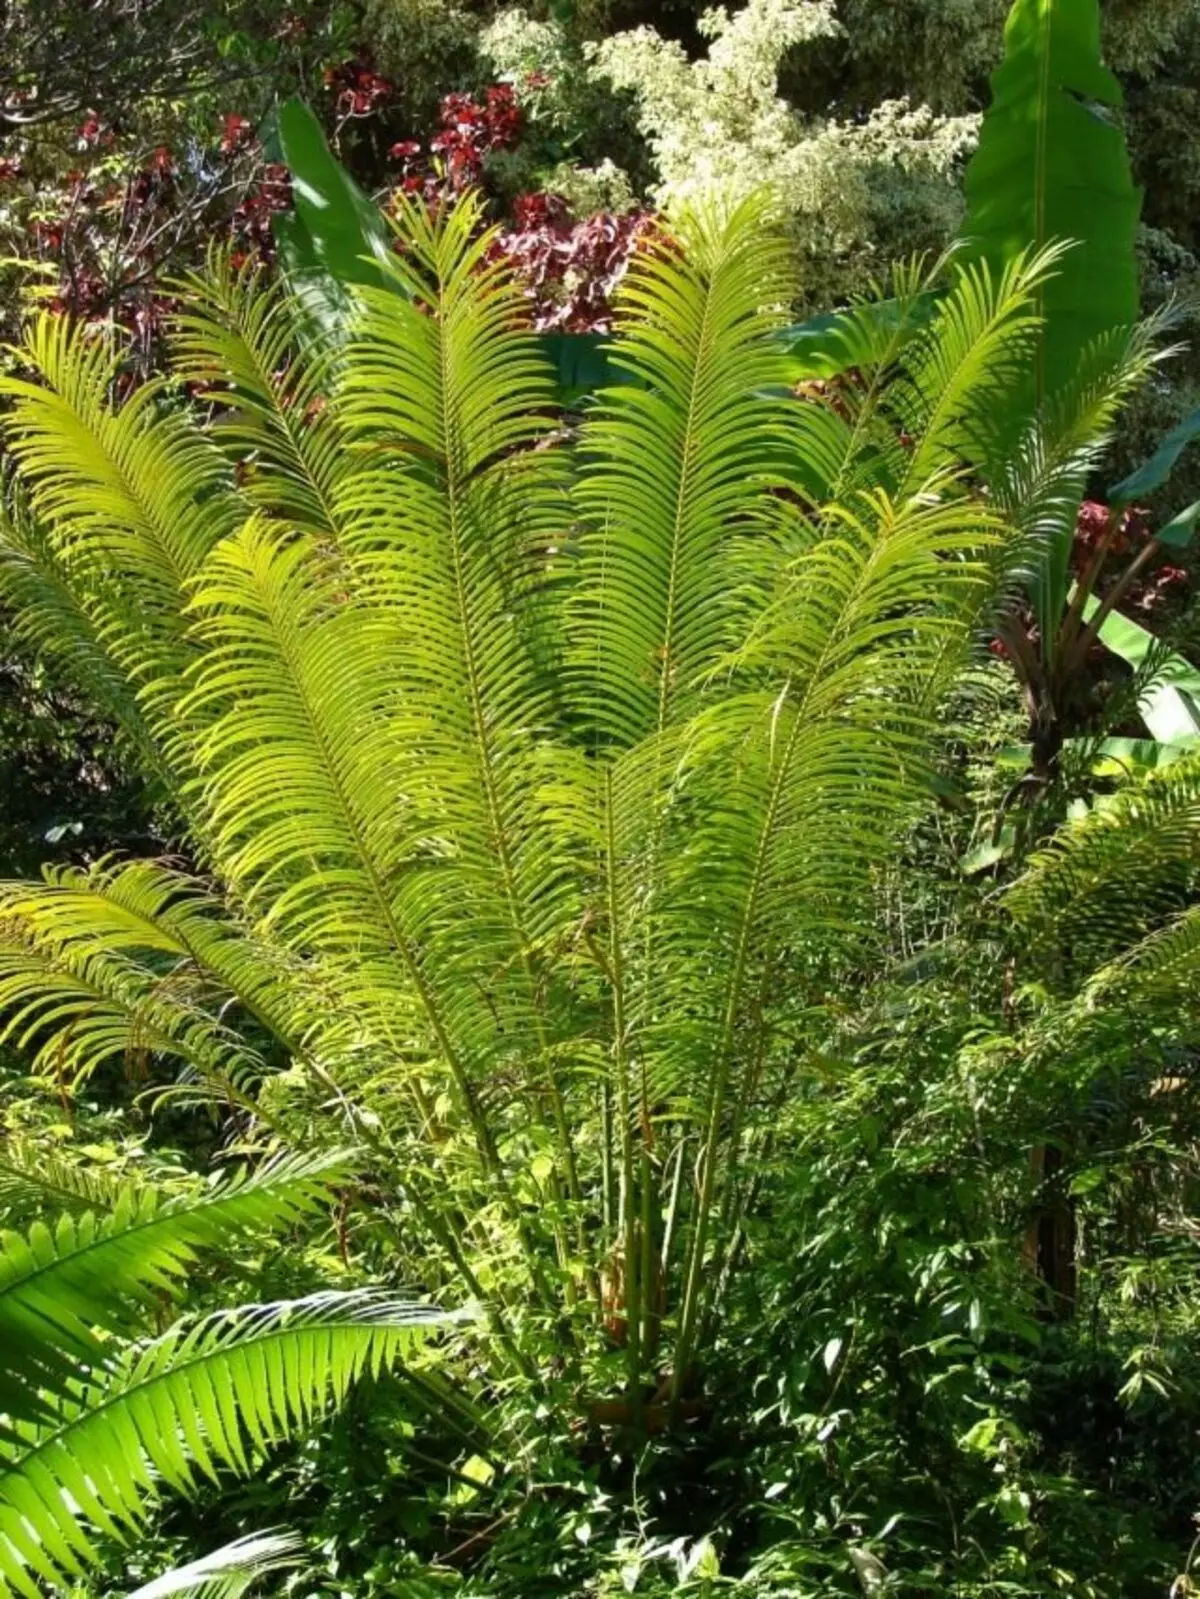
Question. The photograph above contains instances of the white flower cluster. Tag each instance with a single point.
(537, 59)
(719, 125)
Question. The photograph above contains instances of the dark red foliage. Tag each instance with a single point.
(471, 131)
(570, 269)
(357, 88)
(237, 133)
(1159, 581)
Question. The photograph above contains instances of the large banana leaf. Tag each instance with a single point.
(334, 236)
(1052, 164)
(1152, 475)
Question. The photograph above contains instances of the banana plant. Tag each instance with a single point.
(1052, 163)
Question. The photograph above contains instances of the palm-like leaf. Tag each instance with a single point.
(60, 1283)
(208, 1394)
(227, 1573)
(1118, 875)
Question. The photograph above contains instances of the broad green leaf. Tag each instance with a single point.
(834, 341)
(1153, 474)
(335, 236)
(1052, 165)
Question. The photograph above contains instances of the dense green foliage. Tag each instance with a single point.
(678, 846)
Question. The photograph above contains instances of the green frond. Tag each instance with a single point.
(1158, 974)
(60, 1283)
(676, 469)
(1106, 881)
(1040, 480)
(300, 764)
(133, 495)
(208, 1394)
(32, 1179)
(789, 790)
(450, 526)
(50, 615)
(77, 1008)
(246, 348)
(915, 383)
(167, 924)
(967, 363)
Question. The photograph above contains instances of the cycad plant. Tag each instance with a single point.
(536, 775)
(96, 1419)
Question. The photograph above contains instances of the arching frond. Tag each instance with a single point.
(205, 1395)
(803, 784)
(228, 1572)
(1108, 880)
(450, 526)
(76, 1008)
(51, 616)
(244, 345)
(968, 362)
(166, 924)
(677, 468)
(59, 1284)
(32, 1180)
(133, 495)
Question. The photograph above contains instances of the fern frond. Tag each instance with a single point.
(1106, 881)
(963, 367)
(450, 526)
(168, 925)
(50, 615)
(807, 784)
(242, 344)
(134, 495)
(676, 468)
(78, 1008)
(227, 1573)
(210, 1394)
(59, 1284)
(33, 1179)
